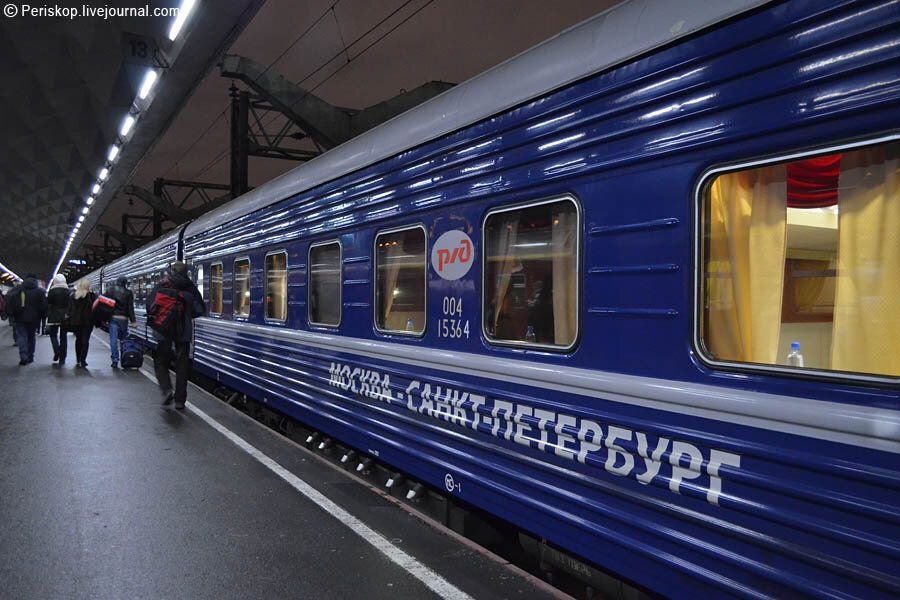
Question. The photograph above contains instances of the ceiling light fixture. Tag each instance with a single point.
(113, 153)
(89, 201)
(127, 124)
(148, 83)
(96, 189)
(103, 174)
(183, 12)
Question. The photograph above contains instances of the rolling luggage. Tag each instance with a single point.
(132, 354)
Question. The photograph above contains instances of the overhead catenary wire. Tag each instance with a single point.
(346, 50)
(284, 52)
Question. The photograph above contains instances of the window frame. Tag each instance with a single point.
(221, 288)
(266, 318)
(234, 314)
(403, 332)
(309, 250)
(579, 277)
(700, 189)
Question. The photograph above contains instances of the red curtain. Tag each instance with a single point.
(813, 183)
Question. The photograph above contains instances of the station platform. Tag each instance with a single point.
(104, 493)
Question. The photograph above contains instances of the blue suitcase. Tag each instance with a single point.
(132, 354)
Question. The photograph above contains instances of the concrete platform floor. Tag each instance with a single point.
(106, 494)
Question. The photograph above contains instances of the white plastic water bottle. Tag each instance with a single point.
(410, 326)
(529, 334)
(794, 358)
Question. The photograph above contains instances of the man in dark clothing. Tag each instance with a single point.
(193, 306)
(123, 313)
(29, 306)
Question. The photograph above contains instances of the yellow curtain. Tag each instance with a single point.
(745, 268)
(866, 315)
(565, 287)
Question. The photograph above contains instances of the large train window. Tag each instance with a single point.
(240, 303)
(531, 275)
(324, 289)
(276, 286)
(215, 289)
(400, 261)
(800, 263)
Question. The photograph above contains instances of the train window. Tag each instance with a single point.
(400, 261)
(215, 289)
(531, 275)
(198, 280)
(801, 265)
(324, 289)
(240, 305)
(276, 286)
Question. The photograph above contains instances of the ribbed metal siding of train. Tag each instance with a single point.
(624, 450)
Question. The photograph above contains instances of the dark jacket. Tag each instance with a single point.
(35, 306)
(81, 311)
(124, 299)
(194, 306)
(57, 305)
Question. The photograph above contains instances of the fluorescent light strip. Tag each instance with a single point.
(113, 153)
(148, 83)
(96, 189)
(183, 12)
(103, 174)
(127, 124)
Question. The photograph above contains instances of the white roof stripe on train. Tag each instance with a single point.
(610, 38)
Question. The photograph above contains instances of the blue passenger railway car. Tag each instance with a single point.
(633, 291)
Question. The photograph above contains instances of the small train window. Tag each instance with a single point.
(801, 263)
(215, 289)
(241, 288)
(400, 261)
(198, 280)
(276, 286)
(531, 275)
(324, 290)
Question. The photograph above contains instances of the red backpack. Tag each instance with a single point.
(166, 312)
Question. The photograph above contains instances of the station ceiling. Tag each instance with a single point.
(68, 83)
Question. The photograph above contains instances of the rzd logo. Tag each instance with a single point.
(452, 255)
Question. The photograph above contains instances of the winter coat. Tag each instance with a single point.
(124, 300)
(193, 304)
(34, 307)
(57, 305)
(81, 311)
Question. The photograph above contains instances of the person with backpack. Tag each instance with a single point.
(81, 319)
(123, 313)
(57, 314)
(28, 305)
(172, 306)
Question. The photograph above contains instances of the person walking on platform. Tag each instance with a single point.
(81, 319)
(29, 306)
(9, 311)
(175, 294)
(57, 313)
(123, 313)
